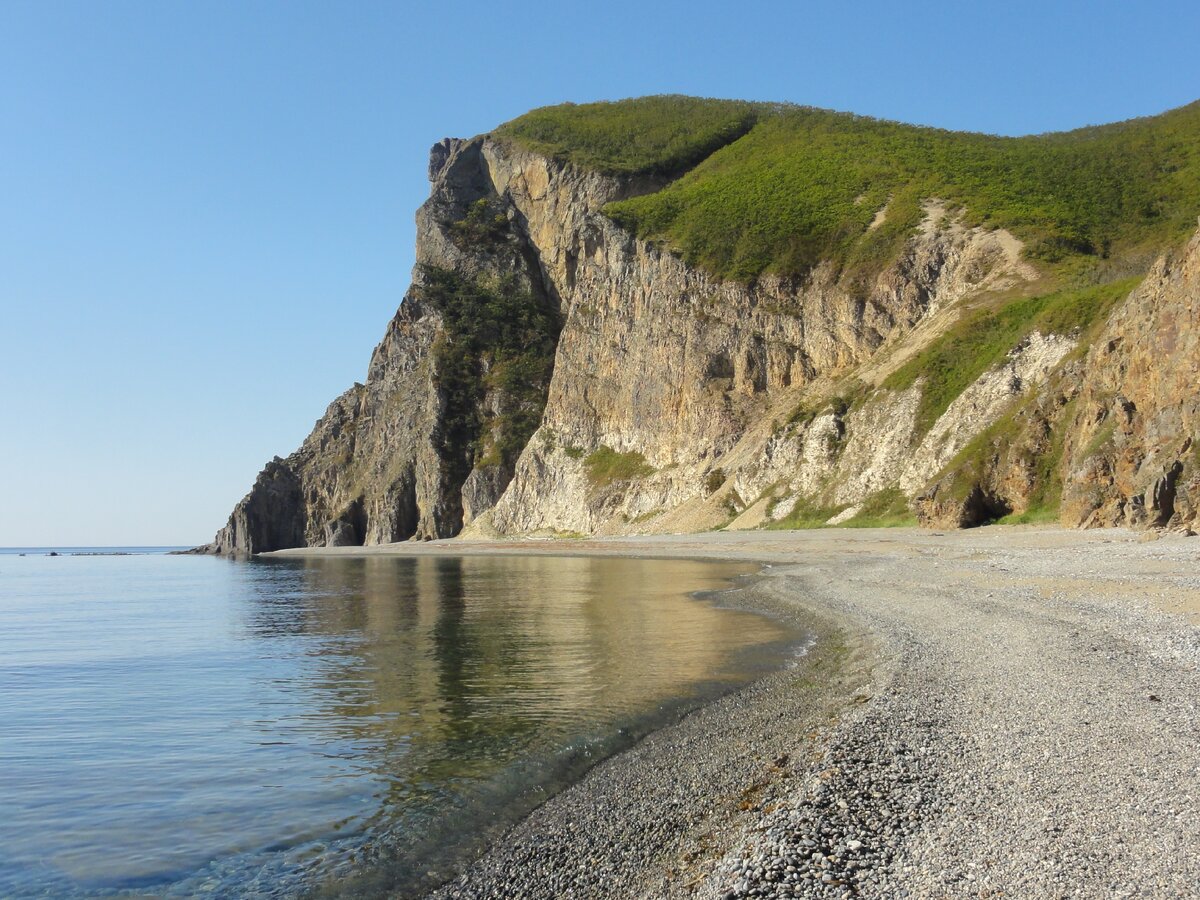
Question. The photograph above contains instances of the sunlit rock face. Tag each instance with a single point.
(1134, 442)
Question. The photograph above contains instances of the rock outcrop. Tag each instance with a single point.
(273, 514)
(659, 359)
(1111, 436)
(1133, 445)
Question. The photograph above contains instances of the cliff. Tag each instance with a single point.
(453, 390)
(560, 365)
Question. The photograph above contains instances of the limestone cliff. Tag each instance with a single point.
(550, 372)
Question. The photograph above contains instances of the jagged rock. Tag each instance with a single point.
(940, 509)
(483, 487)
(397, 450)
(348, 529)
(1132, 446)
(440, 154)
(271, 517)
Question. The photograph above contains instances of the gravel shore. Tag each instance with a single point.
(999, 712)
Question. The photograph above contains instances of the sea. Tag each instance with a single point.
(182, 726)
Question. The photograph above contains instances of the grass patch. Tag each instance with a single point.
(733, 504)
(605, 466)
(646, 517)
(840, 404)
(661, 135)
(1031, 516)
(805, 514)
(573, 452)
(982, 339)
(775, 188)
(802, 415)
(1102, 438)
(884, 509)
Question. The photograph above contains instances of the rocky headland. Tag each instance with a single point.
(559, 367)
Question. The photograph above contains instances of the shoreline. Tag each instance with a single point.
(999, 710)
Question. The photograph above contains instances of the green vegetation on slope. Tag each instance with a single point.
(662, 135)
(482, 225)
(782, 187)
(884, 509)
(605, 465)
(497, 338)
(982, 338)
(1024, 437)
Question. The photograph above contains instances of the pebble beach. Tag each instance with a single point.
(998, 712)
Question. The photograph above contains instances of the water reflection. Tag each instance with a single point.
(269, 727)
(470, 686)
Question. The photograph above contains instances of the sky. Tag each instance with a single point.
(206, 208)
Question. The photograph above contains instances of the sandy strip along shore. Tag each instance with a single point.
(999, 712)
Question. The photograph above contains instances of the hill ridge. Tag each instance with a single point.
(774, 188)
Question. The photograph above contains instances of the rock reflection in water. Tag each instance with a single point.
(190, 725)
(470, 686)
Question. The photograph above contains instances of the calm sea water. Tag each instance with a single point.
(187, 726)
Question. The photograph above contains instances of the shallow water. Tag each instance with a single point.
(192, 725)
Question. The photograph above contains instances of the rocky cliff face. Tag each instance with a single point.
(549, 372)
(1133, 443)
(452, 392)
(1112, 432)
(659, 360)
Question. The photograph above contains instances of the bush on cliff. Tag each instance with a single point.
(498, 338)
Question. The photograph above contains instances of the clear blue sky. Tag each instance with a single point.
(206, 208)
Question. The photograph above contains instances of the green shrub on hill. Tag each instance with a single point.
(481, 225)
(605, 465)
(884, 509)
(775, 188)
(662, 135)
(806, 513)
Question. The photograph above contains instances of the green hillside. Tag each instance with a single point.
(775, 188)
(651, 135)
